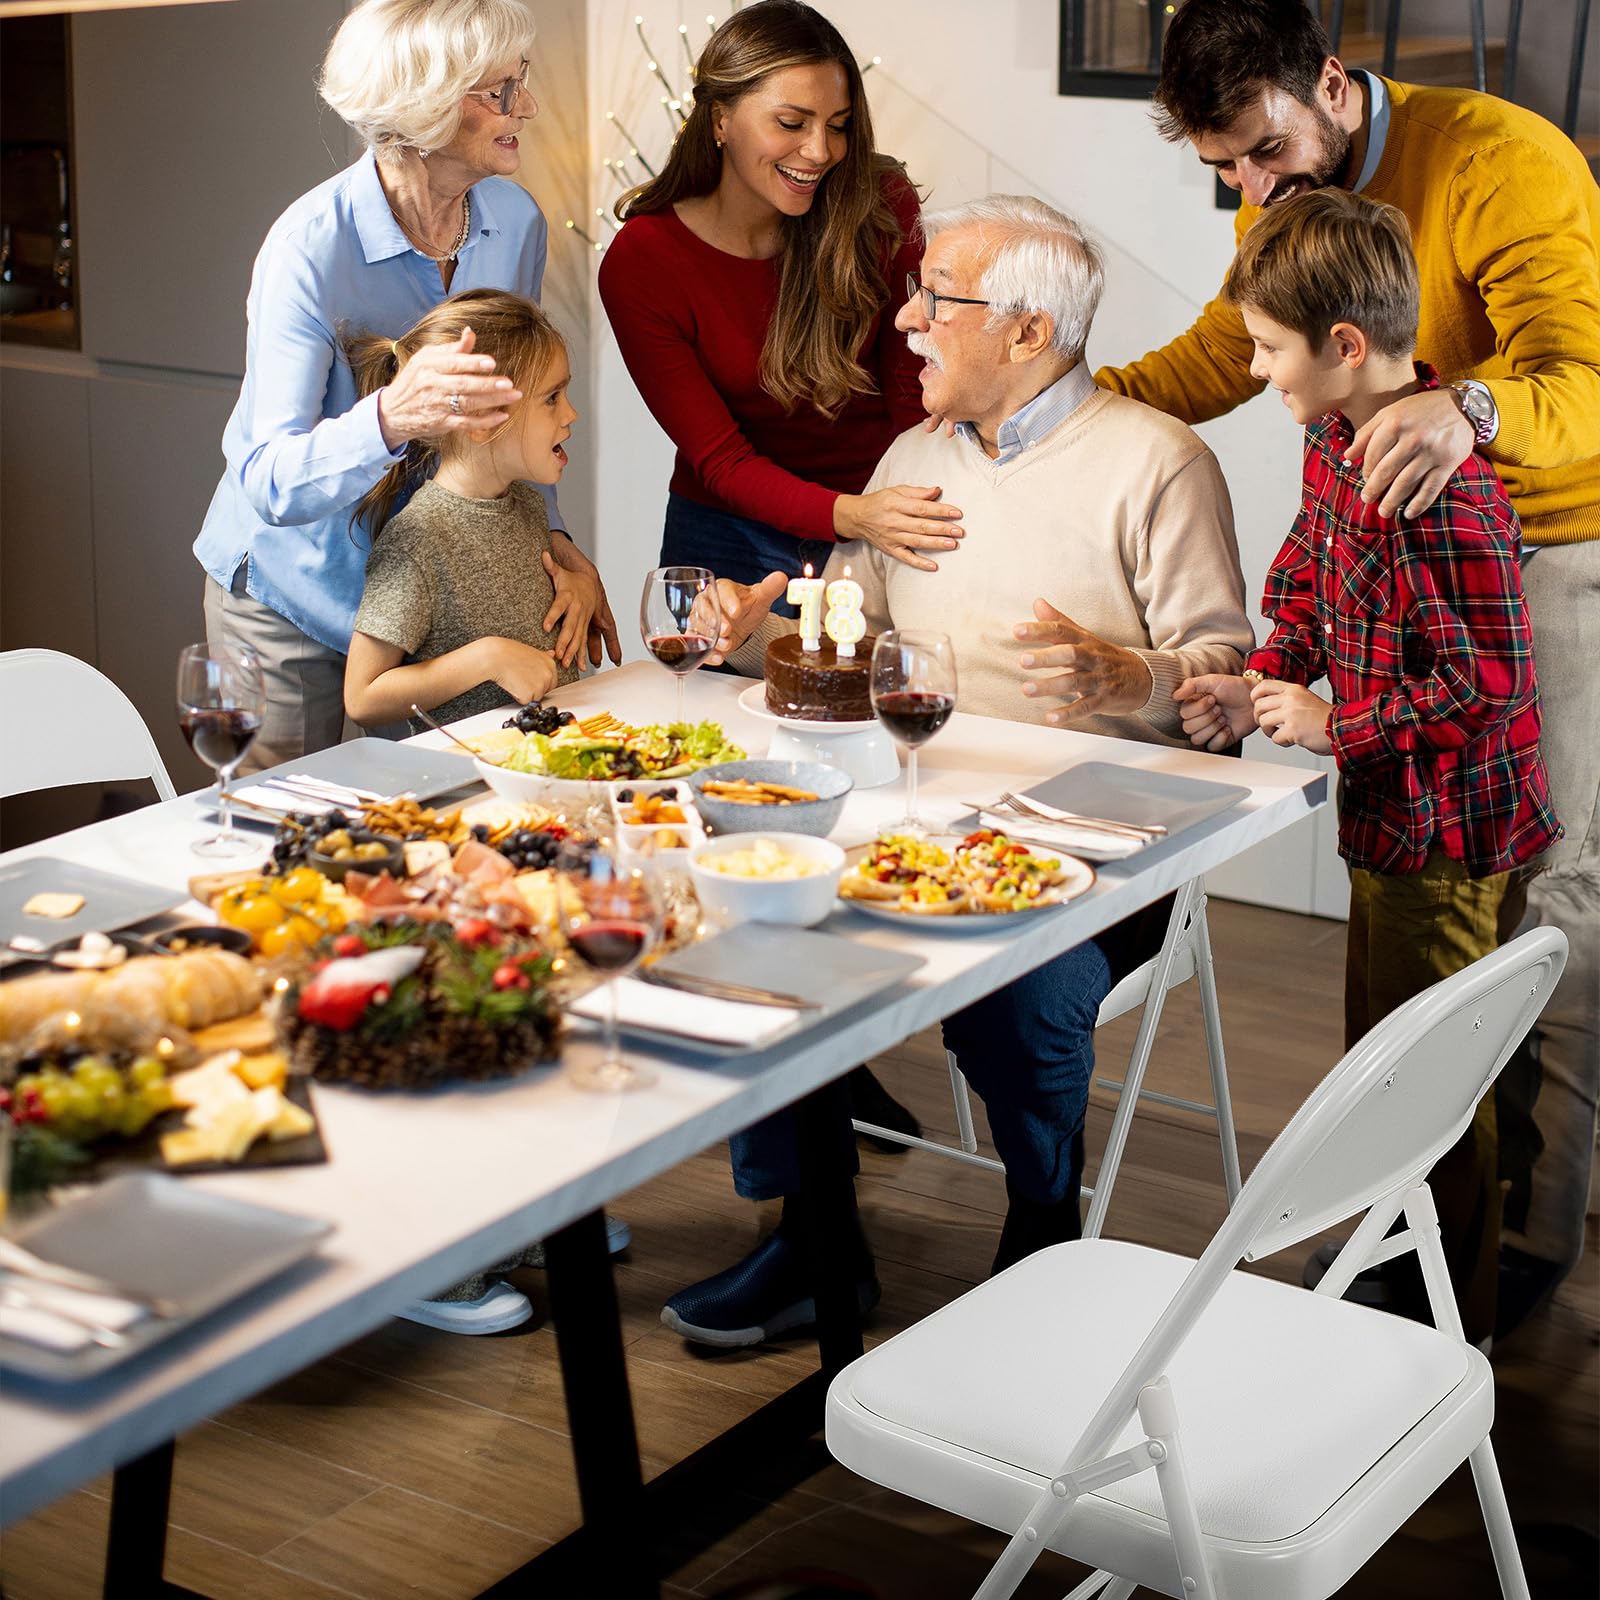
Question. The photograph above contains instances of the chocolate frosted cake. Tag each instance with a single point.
(816, 685)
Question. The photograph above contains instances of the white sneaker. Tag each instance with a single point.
(499, 1307)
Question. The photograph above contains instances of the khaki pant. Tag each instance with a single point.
(1407, 933)
(304, 680)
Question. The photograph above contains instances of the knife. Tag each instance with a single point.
(722, 989)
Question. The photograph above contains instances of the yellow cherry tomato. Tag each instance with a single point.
(293, 933)
(249, 908)
(297, 887)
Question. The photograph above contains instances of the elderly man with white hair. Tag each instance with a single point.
(1109, 524)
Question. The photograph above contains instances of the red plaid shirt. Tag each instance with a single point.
(1420, 627)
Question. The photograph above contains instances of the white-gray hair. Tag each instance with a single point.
(398, 70)
(1035, 258)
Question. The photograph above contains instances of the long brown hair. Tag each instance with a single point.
(831, 284)
(509, 327)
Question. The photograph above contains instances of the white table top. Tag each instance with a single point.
(425, 1189)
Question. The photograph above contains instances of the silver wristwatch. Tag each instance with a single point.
(1478, 407)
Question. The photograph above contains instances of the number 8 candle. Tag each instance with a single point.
(844, 621)
(806, 593)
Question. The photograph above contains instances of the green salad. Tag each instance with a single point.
(662, 750)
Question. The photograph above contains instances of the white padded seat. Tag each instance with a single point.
(1285, 1400)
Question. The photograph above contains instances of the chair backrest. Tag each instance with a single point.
(1369, 1131)
(62, 721)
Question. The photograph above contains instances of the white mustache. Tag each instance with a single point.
(921, 345)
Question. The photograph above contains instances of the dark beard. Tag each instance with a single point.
(1333, 160)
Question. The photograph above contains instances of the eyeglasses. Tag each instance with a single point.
(504, 98)
(930, 299)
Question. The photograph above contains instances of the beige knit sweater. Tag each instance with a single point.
(1119, 518)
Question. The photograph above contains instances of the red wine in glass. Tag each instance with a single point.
(913, 716)
(913, 694)
(220, 738)
(221, 701)
(679, 620)
(679, 652)
(609, 945)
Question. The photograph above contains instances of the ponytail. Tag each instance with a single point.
(375, 362)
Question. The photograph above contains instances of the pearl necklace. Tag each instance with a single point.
(461, 237)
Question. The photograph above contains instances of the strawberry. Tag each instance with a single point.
(338, 996)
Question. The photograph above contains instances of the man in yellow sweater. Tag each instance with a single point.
(1505, 220)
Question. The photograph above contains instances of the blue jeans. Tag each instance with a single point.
(735, 547)
(1028, 1050)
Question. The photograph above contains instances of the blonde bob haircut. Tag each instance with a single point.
(1035, 258)
(1328, 257)
(398, 70)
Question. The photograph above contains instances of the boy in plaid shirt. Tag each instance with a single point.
(1420, 627)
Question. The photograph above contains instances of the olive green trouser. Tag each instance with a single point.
(1406, 933)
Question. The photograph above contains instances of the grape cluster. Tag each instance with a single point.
(93, 1097)
(536, 717)
(299, 833)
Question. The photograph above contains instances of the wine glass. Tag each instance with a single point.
(221, 701)
(913, 694)
(680, 619)
(611, 913)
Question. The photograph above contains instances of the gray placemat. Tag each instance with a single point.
(108, 901)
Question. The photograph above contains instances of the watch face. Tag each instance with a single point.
(1478, 406)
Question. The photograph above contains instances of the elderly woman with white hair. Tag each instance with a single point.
(437, 89)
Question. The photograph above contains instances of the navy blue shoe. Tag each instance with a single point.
(763, 1297)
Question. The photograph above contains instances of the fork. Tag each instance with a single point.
(107, 1338)
(1132, 830)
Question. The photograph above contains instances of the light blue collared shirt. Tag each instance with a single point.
(1040, 417)
(1377, 128)
(301, 449)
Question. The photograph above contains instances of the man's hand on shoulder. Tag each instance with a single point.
(742, 606)
(1408, 451)
(1095, 678)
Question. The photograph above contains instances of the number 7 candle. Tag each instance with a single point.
(806, 593)
(844, 621)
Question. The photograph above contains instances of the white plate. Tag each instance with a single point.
(754, 701)
(1080, 878)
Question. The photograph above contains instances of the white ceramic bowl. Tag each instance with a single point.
(571, 795)
(791, 902)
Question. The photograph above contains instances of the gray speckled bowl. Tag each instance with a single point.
(817, 817)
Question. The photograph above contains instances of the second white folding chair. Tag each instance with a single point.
(1147, 987)
(1234, 1435)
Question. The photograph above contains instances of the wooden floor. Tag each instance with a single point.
(414, 1463)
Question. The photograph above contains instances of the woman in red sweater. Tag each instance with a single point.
(753, 291)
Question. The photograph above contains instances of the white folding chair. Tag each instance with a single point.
(1291, 1432)
(1185, 954)
(62, 721)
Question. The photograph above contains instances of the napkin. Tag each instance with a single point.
(39, 1322)
(1090, 842)
(695, 1016)
(269, 799)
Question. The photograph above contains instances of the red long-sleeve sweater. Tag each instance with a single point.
(690, 322)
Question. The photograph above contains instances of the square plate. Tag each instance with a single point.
(381, 765)
(152, 1235)
(835, 973)
(108, 901)
(1129, 794)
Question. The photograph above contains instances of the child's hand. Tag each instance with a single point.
(1290, 715)
(578, 598)
(1215, 709)
(521, 670)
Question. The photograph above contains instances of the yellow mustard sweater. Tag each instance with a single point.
(1506, 221)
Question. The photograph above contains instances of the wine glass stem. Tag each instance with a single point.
(680, 677)
(224, 804)
(612, 1051)
(911, 783)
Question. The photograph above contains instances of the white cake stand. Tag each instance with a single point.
(863, 750)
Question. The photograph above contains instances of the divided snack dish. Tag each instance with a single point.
(817, 817)
(643, 836)
(796, 902)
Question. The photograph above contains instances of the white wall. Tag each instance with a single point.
(966, 95)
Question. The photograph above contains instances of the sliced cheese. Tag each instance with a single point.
(52, 904)
(211, 1083)
(280, 1117)
(224, 1136)
(266, 1070)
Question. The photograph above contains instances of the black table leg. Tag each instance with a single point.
(831, 1222)
(136, 1549)
(594, 1376)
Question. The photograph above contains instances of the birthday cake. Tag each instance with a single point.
(818, 685)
